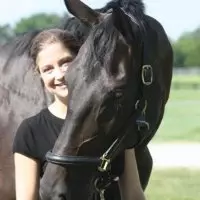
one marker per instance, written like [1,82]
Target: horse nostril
[62,197]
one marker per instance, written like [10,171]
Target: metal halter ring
[145,106]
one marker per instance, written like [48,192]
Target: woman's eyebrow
[65,59]
[45,67]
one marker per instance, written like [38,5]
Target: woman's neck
[58,108]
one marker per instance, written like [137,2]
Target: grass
[181,121]
[186,79]
[174,184]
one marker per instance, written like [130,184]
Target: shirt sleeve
[24,142]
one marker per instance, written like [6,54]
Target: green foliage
[187,49]
[193,57]
[6,33]
[37,21]
[179,56]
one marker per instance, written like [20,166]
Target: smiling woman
[52,50]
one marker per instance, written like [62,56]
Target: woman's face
[52,62]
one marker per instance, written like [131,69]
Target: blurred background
[176,146]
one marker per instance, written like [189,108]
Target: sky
[176,16]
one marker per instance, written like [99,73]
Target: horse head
[104,83]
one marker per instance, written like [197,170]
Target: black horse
[118,95]
[118,84]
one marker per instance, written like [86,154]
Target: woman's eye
[64,66]
[47,70]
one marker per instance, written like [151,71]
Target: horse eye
[118,93]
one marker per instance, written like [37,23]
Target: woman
[51,51]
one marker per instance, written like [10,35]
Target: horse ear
[84,13]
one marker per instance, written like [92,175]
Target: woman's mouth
[61,85]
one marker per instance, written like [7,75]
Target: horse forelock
[103,42]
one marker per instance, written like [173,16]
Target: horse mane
[23,42]
[135,7]
[17,72]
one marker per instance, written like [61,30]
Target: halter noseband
[103,164]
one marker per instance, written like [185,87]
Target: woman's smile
[61,85]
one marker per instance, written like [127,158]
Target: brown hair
[52,36]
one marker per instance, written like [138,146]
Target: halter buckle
[105,164]
[147,74]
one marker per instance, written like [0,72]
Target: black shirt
[37,135]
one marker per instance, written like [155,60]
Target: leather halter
[71,160]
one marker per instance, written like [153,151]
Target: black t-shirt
[37,135]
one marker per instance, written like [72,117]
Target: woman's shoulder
[30,126]
[37,118]
[28,134]
[43,119]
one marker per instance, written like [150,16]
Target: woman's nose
[59,74]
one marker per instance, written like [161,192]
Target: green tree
[6,33]
[179,56]
[37,21]
[193,56]
[187,49]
